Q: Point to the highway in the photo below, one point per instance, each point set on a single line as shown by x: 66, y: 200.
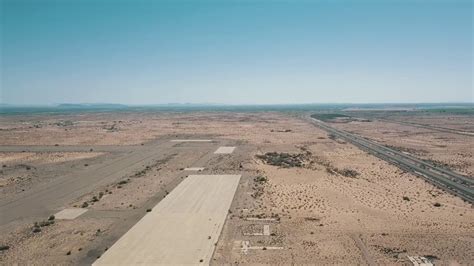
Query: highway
x: 454, y: 183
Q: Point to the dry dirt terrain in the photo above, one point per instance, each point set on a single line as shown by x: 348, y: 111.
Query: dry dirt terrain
x: 430, y: 142
x: 303, y: 197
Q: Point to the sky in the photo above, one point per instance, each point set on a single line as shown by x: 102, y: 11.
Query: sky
x: 236, y: 52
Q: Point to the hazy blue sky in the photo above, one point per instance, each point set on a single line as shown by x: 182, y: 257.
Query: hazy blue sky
x: 143, y: 52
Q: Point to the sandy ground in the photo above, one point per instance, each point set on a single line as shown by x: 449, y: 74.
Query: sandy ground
x: 459, y: 121
x: 21, y: 170
x: 57, y: 244
x: 321, y: 216
x: 44, y: 157
x: 136, y: 128
x: 450, y: 150
x: 331, y: 218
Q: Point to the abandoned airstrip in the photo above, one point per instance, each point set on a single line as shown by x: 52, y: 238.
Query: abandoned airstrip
x: 110, y: 188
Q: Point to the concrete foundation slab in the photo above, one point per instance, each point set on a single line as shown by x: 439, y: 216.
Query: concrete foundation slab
x: 245, y: 247
x: 266, y: 230
x: 261, y: 219
x: 69, y: 214
x: 224, y: 150
x: 182, y: 228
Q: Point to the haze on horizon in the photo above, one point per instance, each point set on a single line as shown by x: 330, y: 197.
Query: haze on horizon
x: 237, y: 52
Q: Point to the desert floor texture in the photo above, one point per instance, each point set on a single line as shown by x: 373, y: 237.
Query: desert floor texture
x: 302, y: 198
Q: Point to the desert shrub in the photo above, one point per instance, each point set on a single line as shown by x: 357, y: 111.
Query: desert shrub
x: 283, y: 159
x: 260, y: 179
x: 348, y: 172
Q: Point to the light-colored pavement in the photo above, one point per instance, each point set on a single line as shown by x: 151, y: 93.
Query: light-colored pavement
x: 46, y: 198
x: 69, y: 148
x: 224, y: 150
x: 70, y: 214
x: 182, y: 229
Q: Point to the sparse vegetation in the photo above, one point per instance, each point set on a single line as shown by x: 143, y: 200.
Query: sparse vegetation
x: 37, y: 225
x: 260, y: 179
x: 64, y: 123
x: 344, y: 172
x: 282, y: 131
x: 259, y: 182
x: 123, y: 182
x: 44, y: 223
x: 393, y: 252
x: 348, y: 172
x: 437, y: 204
x: 406, y: 198
x: 285, y: 160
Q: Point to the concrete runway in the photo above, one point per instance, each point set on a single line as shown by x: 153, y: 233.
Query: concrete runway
x: 69, y: 148
x: 49, y: 197
x: 182, y: 229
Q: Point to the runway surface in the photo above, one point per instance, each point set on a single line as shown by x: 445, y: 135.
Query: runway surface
x: 49, y: 197
x: 182, y: 229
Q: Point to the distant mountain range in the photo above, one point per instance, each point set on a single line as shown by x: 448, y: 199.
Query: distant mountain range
x: 91, y: 105
x: 116, y: 106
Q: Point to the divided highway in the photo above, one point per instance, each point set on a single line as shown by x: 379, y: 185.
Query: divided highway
x: 456, y: 184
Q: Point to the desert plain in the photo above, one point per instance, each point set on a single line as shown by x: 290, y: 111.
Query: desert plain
x: 304, y: 197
